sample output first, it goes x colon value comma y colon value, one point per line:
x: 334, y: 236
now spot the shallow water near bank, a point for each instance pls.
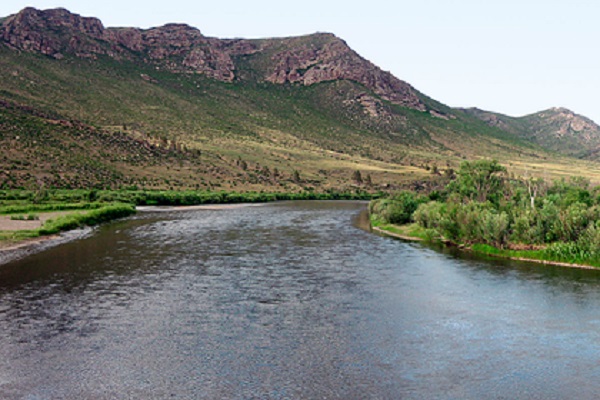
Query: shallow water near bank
x: 289, y: 300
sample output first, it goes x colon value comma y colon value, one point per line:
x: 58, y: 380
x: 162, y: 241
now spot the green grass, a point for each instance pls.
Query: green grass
x: 29, y: 208
x: 412, y: 230
x: 17, y: 236
x: 90, y: 218
x: 78, y: 219
x: 28, y: 217
x: 539, y: 255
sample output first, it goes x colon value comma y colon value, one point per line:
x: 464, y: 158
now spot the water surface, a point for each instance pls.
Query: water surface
x: 289, y: 300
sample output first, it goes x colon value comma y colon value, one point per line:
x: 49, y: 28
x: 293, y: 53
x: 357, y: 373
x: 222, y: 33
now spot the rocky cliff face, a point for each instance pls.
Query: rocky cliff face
x: 52, y: 32
x: 335, y: 60
x: 181, y: 48
x: 177, y: 47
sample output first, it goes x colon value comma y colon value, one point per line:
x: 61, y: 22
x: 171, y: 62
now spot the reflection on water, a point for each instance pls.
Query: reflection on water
x: 289, y: 300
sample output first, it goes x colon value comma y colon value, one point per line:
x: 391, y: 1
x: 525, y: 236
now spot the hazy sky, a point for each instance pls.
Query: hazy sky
x: 513, y: 56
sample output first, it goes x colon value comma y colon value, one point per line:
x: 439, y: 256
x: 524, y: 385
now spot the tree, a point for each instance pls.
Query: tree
x: 357, y: 177
x: 534, y: 186
x: 296, y: 176
x: 480, y: 180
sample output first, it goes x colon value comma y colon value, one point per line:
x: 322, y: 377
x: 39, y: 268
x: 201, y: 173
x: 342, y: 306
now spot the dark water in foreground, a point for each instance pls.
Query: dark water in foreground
x: 289, y: 300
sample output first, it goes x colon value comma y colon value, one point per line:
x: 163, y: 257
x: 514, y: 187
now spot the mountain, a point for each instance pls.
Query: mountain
x: 182, y: 48
x: 556, y: 129
x: 168, y: 107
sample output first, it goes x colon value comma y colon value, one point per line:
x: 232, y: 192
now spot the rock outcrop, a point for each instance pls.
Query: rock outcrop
x: 557, y: 129
x: 308, y: 64
x: 181, y: 48
x: 565, y: 122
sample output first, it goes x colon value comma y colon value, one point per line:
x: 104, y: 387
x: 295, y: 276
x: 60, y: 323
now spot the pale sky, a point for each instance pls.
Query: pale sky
x: 514, y: 56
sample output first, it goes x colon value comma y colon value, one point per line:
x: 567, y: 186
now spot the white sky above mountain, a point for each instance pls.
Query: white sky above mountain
x: 514, y: 56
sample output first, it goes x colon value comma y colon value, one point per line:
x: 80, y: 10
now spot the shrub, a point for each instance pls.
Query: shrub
x: 589, y: 240
x: 494, y: 227
x: 429, y: 215
x: 397, y: 210
x: 526, y: 229
x: 570, y: 222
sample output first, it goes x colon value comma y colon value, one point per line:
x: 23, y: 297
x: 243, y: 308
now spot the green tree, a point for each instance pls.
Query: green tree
x: 480, y: 180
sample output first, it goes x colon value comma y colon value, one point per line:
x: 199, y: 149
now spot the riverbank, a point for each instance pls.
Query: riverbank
x: 20, y: 237
x: 411, y: 233
x: 396, y: 235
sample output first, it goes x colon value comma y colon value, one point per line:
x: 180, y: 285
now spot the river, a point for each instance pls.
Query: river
x: 292, y: 300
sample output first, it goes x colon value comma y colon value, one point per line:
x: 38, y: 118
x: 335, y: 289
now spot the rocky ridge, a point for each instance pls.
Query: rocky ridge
x: 184, y: 49
x: 557, y: 129
x: 565, y: 122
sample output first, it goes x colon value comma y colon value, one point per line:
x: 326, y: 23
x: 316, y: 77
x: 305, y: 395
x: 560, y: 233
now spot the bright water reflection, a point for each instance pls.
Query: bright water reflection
x: 289, y: 300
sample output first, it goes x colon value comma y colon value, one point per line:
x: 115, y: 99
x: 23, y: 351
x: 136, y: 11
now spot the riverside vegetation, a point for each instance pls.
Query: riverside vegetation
x: 485, y: 209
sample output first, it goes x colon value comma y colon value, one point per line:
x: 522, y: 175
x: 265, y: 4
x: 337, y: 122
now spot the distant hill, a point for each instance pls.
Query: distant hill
x: 168, y: 107
x: 556, y: 129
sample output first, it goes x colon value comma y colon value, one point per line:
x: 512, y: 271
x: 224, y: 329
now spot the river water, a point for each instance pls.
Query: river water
x: 289, y: 300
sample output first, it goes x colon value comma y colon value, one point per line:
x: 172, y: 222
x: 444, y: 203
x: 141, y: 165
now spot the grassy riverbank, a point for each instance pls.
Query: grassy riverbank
x: 75, y: 218
x: 484, y: 210
x: 413, y: 232
x: 60, y: 199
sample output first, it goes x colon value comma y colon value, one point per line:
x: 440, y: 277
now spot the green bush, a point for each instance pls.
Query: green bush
x: 397, y: 210
x: 494, y: 227
x: 589, y: 240
x: 571, y: 222
x: 428, y: 215
x: 526, y: 229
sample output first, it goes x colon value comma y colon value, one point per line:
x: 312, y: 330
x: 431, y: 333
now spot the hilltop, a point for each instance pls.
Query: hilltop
x: 557, y: 129
x: 168, y: 107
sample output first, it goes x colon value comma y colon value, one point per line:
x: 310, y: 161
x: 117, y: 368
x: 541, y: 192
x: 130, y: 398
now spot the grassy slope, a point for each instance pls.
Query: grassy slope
x: 318, y: 130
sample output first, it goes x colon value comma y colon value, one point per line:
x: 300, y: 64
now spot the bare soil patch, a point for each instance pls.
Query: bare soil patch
x: 7, y: 224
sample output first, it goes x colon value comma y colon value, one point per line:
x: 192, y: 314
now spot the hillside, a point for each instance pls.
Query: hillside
x: 557, y: 129
x: 168, y: 107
